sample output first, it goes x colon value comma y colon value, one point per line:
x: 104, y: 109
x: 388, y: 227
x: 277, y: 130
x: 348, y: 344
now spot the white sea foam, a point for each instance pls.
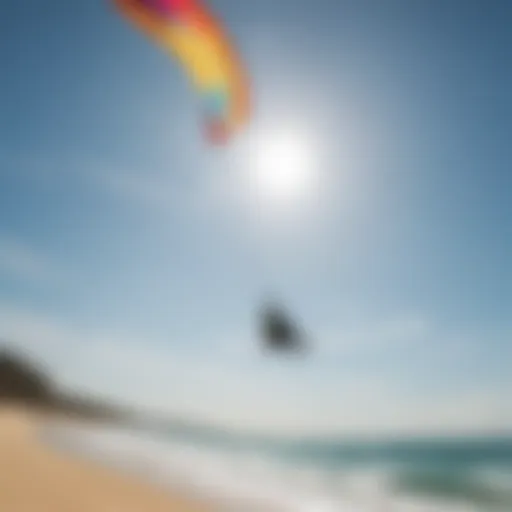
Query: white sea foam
x: 245, y: 482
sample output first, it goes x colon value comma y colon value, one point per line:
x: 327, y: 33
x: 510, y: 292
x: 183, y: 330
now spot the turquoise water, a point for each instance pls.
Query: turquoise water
x: 246, y: 474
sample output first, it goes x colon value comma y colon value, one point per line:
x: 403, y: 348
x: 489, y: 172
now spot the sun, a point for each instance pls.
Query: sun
x: 282, y: 166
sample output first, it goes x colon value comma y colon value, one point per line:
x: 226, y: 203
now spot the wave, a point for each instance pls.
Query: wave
x: 259, y: 481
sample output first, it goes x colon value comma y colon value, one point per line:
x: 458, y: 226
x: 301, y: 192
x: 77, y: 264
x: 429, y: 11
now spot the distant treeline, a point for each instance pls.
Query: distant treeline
x: 20, y: 380
x: 24, y: 381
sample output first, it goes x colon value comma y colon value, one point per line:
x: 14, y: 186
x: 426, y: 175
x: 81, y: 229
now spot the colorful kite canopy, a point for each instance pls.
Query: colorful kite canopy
x: 190, y: 33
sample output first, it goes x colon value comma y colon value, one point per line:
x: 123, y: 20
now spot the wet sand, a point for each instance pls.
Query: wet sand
x: 35, y: 478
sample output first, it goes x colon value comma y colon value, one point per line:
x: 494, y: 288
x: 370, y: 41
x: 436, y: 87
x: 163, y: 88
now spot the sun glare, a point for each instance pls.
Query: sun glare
x: 282, y: 167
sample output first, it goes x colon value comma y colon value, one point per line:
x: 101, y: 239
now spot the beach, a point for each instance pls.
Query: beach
x: 36, y: 478
x: 55, y: 464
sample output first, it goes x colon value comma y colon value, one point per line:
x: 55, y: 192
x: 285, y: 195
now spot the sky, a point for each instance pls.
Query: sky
x: 133, y: 256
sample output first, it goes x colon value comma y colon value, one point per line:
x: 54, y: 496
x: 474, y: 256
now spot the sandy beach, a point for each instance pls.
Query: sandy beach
x: 35, y: 478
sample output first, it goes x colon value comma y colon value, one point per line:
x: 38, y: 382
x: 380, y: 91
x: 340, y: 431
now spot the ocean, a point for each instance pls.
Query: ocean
x: 257, y: 475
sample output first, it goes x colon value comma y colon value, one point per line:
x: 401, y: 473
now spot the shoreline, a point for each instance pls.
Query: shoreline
x: 56, y: 463
x: 34, y: 476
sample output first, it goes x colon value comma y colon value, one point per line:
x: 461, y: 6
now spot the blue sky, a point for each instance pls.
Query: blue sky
x: 132, y: 255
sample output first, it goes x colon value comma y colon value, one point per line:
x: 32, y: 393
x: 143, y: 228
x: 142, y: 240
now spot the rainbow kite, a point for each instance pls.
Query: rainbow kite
x: 186, y: 30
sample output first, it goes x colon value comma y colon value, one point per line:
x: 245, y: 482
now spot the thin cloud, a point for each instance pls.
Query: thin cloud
x: 159, y: 194
x: 19, y: 260
x: 365, y: 333
x: 225, y: 389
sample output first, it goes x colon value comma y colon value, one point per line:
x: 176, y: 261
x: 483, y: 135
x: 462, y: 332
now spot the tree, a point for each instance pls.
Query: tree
x: 21, y: 380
